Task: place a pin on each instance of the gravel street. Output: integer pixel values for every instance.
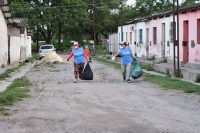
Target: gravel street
(104, 105)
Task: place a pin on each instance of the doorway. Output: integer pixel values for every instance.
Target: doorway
(147, 42)
(185, 42)
(8, 50)
(163, 41)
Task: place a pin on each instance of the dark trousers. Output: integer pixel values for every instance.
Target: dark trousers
(78, 70)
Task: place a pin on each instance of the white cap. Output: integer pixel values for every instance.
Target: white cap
(75, 43)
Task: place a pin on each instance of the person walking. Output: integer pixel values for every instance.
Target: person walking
(126, 59)
(87, 52)
(79, 55)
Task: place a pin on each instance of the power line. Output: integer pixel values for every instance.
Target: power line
(68, 6)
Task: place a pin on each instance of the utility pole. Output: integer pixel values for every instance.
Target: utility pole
(177, 11)
(94, 30)
(174, 38)
(121, 21)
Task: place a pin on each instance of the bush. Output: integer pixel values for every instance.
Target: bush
(178, 74)
(152, 58)
(163, 61)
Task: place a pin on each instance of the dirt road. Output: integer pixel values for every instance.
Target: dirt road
(105, 105)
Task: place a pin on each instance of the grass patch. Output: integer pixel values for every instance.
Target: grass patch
(147, 67)
(101, 50)
(34, 57)
(7, 73)
(30, 60)
(15, 92)
(170, 83)
(164, 82)
(163, 60)
(106, 62)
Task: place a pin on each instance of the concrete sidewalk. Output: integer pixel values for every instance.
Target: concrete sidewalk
(190, 72)
(18, 74)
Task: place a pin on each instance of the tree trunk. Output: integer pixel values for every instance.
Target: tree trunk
(49, 35)
(59, 33)
(37, 41)
(97, 39)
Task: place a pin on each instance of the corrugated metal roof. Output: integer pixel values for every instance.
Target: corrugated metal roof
(165, 14)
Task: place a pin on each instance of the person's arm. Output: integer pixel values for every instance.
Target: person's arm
(70, 56)
(115, 55)
(132, 53)
(85, 56)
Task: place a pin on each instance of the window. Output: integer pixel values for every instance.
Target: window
(126, 37)
(171, 31)
(154, 35)
(140, 36)
(198, 31)
(135, 36)
(147, 35)
(131, 41)
(47, 47)
(119, 38)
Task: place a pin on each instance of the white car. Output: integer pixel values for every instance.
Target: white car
(45, 49)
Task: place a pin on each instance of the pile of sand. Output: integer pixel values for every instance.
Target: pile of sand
(51, 57)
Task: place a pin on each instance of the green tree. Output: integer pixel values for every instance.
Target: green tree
(150, 7)
(69, 19)
(188, 2)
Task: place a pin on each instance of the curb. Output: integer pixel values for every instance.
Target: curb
(18, 74)
(155, 73)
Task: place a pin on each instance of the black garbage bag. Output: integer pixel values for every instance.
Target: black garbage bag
(136, 70)
(87, 73)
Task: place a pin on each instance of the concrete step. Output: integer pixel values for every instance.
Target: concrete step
(190, 65)
(191, 74)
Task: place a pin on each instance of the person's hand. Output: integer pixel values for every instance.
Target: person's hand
(67, 59)
(113, 58)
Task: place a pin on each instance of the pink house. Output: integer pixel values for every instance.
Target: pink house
(189, 25)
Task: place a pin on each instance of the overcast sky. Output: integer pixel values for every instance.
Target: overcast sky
(130, 2)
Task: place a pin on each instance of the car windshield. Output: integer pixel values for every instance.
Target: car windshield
(46, 47)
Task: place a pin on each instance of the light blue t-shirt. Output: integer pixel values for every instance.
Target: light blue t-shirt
(125, 55)
(78, 55)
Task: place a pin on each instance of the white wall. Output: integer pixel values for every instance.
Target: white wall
(169, 49)
(25, 50)
(130, 39)
(28, 44)
(140, 46)
(3, 40)
(14, 49)
(22, 48)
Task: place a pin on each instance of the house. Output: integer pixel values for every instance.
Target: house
(153, 35)
(189, 35)
(4, 20)
(15, 41)
(113, 43)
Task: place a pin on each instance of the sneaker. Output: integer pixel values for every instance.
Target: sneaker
(128, 80)
(75, 80)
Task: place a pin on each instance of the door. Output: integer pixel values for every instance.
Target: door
(147, 42)
(185, 42)
(131, 42)
(163, 41)
(126, 37)
(8, 50)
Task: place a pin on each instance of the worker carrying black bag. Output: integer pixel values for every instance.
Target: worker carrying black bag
(87, 73)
